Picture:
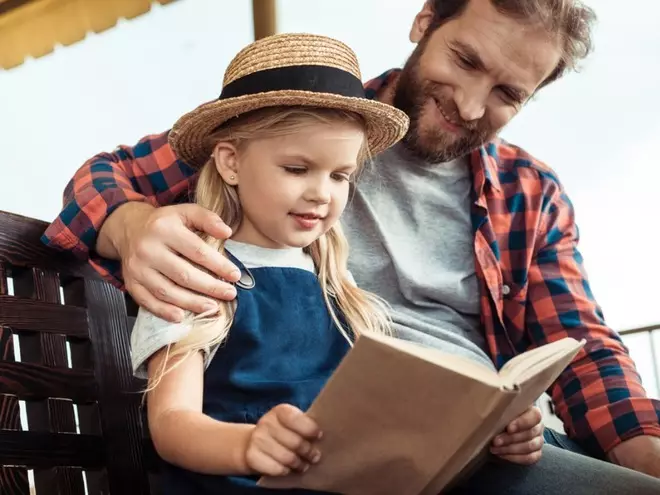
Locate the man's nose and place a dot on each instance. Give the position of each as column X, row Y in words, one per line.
column 471, row 102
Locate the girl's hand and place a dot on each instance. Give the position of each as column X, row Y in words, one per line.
column 282, row 441
column 522, row 441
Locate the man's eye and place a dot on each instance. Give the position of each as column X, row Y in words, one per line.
column 464, row 62
column 510, row 97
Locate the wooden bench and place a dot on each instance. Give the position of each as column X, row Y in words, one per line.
column 64, row 361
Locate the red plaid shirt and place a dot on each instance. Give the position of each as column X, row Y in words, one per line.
column 534, row 289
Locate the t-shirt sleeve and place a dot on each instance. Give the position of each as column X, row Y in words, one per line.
column 151, row 333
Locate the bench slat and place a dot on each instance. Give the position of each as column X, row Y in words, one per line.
column 14, row 480
column 27, row 314
column 30, row 381
column 45, row 450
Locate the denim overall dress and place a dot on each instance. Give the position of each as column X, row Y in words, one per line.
column 282, row 348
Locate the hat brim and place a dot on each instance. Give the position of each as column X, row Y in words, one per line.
column 385, row 125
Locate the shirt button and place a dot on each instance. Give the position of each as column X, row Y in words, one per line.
column 506, row 290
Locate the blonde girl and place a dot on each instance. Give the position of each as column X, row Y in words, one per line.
column 276, row 152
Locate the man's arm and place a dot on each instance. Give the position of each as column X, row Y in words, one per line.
column 146, row 173
column 110, row 217
column 599, row 397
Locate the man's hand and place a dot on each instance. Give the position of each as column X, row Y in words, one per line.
column 522, row 441
column 640, row 453
column 156, row 247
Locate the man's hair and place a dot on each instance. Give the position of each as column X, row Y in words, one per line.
column 570, row 20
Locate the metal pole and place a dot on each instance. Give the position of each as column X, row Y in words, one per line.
column 264, row 18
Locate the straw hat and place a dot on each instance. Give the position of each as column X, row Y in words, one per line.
column 288, row 70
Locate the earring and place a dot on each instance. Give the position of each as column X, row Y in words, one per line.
column 231, row 177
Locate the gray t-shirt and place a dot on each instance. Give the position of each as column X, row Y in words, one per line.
column 411, row 243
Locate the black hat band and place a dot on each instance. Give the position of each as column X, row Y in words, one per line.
column 314, row 78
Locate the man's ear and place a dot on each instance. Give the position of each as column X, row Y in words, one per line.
column 422, row 22
column 226, row 162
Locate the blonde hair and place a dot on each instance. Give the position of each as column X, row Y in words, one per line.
column 361, row 310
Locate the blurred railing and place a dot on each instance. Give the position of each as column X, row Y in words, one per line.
column 644, row 345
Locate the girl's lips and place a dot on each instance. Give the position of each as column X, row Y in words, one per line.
column 306, row 221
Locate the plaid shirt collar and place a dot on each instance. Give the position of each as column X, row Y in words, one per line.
column 484, row 160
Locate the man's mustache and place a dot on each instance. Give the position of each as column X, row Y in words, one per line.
column 450, row 109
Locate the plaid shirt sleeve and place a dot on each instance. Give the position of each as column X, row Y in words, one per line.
column 599, row 397
column 147, row 172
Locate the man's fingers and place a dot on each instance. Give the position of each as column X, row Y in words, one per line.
column 521, row 448
column 201, row 219
column 297, row 421
column 526, row 421
column 196, row 250
column 525, row 459
column 143, row 297
column 185, row 274
column 524, row 436
column 168, row 292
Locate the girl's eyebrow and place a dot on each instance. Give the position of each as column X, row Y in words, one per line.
column 299, row 157
column 309, row 162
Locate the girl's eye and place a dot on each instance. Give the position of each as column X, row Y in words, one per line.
column 341, row 177
column 295, row 170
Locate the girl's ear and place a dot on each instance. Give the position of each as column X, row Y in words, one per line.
column 226, row 162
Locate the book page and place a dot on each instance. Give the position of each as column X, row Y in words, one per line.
column 462, row 365
column 527, row 364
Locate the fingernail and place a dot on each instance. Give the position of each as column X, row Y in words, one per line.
column 235, row 275
column 305, row 468
column 320, row 435
column 317, row 457
column 177, row 316
column 229, row 294
column 513, row 428
column 498, row 441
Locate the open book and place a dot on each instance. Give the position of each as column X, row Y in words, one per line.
column 399, row 418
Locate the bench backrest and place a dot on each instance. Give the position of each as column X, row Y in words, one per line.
column 65, row 368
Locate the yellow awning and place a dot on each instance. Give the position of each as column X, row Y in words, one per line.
column 32, row 28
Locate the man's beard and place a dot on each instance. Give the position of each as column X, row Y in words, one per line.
column 434, row 145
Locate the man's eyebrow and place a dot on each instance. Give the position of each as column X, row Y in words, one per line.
column 470, row 53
